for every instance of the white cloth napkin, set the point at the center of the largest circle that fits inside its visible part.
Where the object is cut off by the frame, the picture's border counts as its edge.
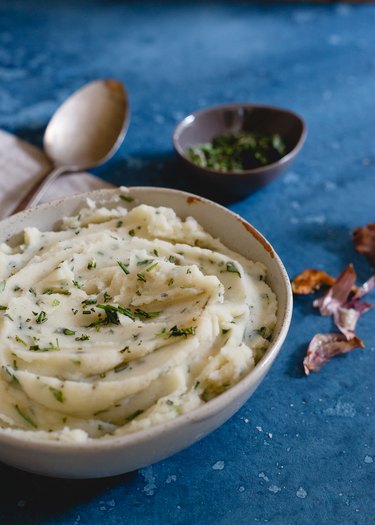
(22, 164)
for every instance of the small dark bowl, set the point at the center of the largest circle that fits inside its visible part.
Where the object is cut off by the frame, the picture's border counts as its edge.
(202, 126)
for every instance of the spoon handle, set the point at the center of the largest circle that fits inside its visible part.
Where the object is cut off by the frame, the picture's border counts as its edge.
(37, 191)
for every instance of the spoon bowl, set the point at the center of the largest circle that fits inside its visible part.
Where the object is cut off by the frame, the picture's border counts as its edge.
(89, 126)
(86, 130)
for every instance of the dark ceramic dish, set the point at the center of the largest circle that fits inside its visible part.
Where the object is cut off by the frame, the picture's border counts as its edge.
(202, 126)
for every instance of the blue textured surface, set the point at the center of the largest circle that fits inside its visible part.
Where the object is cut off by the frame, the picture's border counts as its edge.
(302, 450)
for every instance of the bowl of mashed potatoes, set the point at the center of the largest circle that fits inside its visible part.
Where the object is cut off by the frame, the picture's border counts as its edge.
(133, 322)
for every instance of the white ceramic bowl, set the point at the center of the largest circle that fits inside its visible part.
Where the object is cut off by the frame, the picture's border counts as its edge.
(117, 455)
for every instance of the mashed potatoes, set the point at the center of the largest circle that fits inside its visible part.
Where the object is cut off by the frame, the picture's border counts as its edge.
(122, 320)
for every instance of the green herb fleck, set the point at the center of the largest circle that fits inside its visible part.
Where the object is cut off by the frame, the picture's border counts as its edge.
(124, 267)
(134, 415)
(177, 332)
(141, 277)
(78, 284)
(50, 291)
(2, 286)
(126, 198)
(231, 267)
(147, 315)
(25, 416)
(152, 267)
(42, 318)
(66, 331)
(89, 301)
(131, 233)
(2, 307)
(145, 261)
(19, 340)
(91, 264)
(84, 337)
(119, 309)
(120, 367)
(12, 377)
(57, 394)
(107, 297)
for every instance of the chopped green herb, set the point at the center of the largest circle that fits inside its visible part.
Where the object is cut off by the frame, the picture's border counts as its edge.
(152, 267)
(126, 198)
(91, 264)
(156, 253)
(238, 151)
(51, 347)
(78, 284)
(50, 291)
(9, 317)
(171, 258)
(141, 277)
(170, 281)
(55, 302)
(107, 297)
(134, 415)
(147, 315)
(12, 377)
(25, 416)
(231, 267)
(42, 318)
(2, 307)
(124, 267)
(57, 394)
(145, 261)
(31, 290)
(120, 367)
(89, 301)
(19, 340)
(119, 309)
(66, 331)
(2, 286)
(177, 332)
(131, 233)
(84, 337)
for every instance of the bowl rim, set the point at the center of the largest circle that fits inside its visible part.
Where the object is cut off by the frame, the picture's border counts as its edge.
(238, 105)
(210, 408)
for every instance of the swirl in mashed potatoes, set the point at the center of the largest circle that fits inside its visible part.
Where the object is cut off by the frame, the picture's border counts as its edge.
(122, 320)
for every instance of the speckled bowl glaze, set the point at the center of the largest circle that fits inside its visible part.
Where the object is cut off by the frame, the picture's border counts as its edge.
(202, 126)
(118, 455)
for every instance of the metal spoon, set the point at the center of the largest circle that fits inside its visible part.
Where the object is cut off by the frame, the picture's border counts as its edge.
(84, 132)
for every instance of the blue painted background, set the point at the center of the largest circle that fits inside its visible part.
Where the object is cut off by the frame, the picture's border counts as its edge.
(302, 450)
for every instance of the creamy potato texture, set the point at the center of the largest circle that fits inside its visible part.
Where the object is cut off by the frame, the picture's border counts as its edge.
(121, 320)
